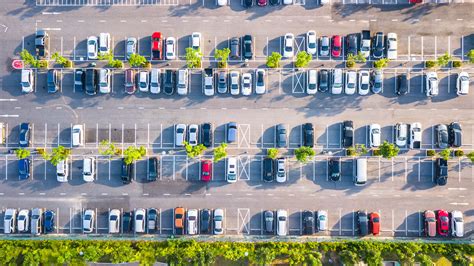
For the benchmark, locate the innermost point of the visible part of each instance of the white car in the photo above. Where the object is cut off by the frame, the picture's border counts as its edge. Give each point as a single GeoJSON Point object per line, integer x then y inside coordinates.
{"type": "Point", "coordinates": [431, 85]}
{"type": "Point", "coordinates": [336, 84]}
{"type": "Point", "coordinates": [281, 170]}
{"type": "Point", "coordinates": [288, 50]}
{"type": "Point", "coordinates": [143, 82]}
{"type": "Point", "coordinates": [23, 220]}
{"type": "Point", "coordinates": [139, 221]}
{"type": "Point", "coordinates": [234, 82]}
{"type": "Point", "coordinates": [246, 84]}
{"type": "Point", "coordinates": [155, 83]}
{"type": "Point", "coordinates": [311, 42]}
{"type": "Point", "coordinates": [462, 83]}
{"type": "Point", "coordinates": [170, 46]}
{"type": "Point", "coordinates": [282, 222]}
{"type": "Point", "coordinates": [364, 82]}
{"type": "Point", "coordinates": [218, 221]}
{"type": "Point", "coordinates": [180, 135]}
{"type": "Point", "coordinates": [88, 169]}
{"type": "Point", "coordinates": [351, 80]}
{"type": "Point", "coordinates": [77, 135]}
{"type": "Point", "coordinates": [401, 133]}
{"type": "Point", "coordinates": [104, 43]}
{"type": "Point", "coordinates": [322, 220]}
{"type": "Point", "coordinates": [196, 41]}
{"type": "Point", "coordinates": [131, 46]}
{"type": "Point", "coordinates": [92, 47]}
{"type": "Point", "coordinates": [192, 217]}
{"type": "Point", "coordinates": [193, 134]}
{"type": "Point", "coordinates": [114, 221]}
{"type": "Point", "coordinates": [374, 135]}
{"type": "Point", "coordinates": [457, 224]}
{"type": "Point", "coordinates": [415, 135]}
{"type": "Point", "coordinates": [27, 80]}
{"type": "Point", "coordinates": [392, 46]}
{"type": "Point", "coordinates": [260, 81]}
{"type": "Point", "coordinates": [62, 171]}
{"type": "Point", "coordinates": [88, 221]}
{"type": "Point", "coordinates": [312, 82]}
{"type": "Point", "coordinates": [9, 221]}
{"type": "Point", "coordinates": [104, 80]}
{"type": "Point", "coordinates": [231, 173]}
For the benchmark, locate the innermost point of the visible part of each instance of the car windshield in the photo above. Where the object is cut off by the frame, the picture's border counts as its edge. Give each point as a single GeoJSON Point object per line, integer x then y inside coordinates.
{"type": "Point", "coordinates": [103, 84]}
{"type": "Point", "coordinates": [113, 218]}
{"type": "Point", "coordinates": [21, 217]}
{"type": "Point", "coordinates": [376, 220]}
{"type": "Point", "coordinates": [192, 218]}
{"type": "Point", "coordinates": [91, 42]}
{"type": "Point", "coordinates": [324, 48]}
{"type": "Point", "coordinates": [444, 137]}
{"type": "Point", "coordinates": [375, 131]}
{"type": "Point", "coordinates": [364, 49]}
{"type": "Point", "coordinates": [180, 130]}
{"type": "Point", "coordinates": [282, 218]}
{"type": "Point", "coordinates": [179, 216]}
{"type": "Point", "coordinates": [87, 217]}
{"type": "Point", "coordinates": [139, 217]}
{"type": "Point", "coordinates": [312, 45]}
{"type": "Point", "coordinates": [322, 218]}
{"type": "Point", "coordinates": [7, 217]}
{"type": "Point", "coordinates": [205, 173]}
{"type": "Point", "coordinates": [444, 219]}
{"type": "Point", "coordinates": [458, 219]}
{"type": "Point", "coordinates": [218, 218]}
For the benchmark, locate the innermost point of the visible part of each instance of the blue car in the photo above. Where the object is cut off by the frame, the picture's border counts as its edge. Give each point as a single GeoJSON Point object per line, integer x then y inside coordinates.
{"type": "Point", "coordinates": [24, 168]}
{"type": "Point", "coordinates": [24, 135]}
{"type": "Point", "coordinates": [48, 221]}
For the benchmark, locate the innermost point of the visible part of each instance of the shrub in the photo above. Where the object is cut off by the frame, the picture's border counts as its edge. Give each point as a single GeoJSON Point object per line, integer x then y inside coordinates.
{"type": "Point", "coordinates": [223, 56]}
{"type": "Point", "coordinates": [304, 153]}
{"type": "Point", "coordinates": [444, 59]}
{"type": "Point", "coordinates": [22, 153]}
{"type": "Point", "coordinates": [351, 151]}
{"type": "Point", "coordinates": [470, 56]}
{"type": "Point", "coordinates": [459, 153]}
{"type": "Point", "coordinates": [115, 63]}
{"type": "Point", "coordinates": [381, 63]}
{"type": "Point", "coordinates": [430, 64]}
{"type": "Point", "coordinates": [273, 61]}
{"type": "Point", "coordinates": [303, 59]}
{"type": "Point", "coordinates": [272, 153]}
{"type": "Point", "coordinates": [445, 154]}
{"type": "Point", "coordinates": [457, 63]}
{"type": "Point", "coordinates": [389, 150]}
{"type": "Point", "coordinates": [136, 60]}
{"type": "Point", "coordinates": [430, 153]}
{"type": "Point", "coordinates": [220, 152]}
{"type": "Point", "coordinates": [28, 58]}
{"type": "Point", "coordinates": [471, 156]}
{"type": "Point", "coordinates": [193, 58]}
{"type": "Point", "coordinates": [360, 58]}
{"type": "Point", "coordinates": [350, 63]}
{"type": "Point", "coordinates": [376, 152]}
{"type": "Point", "coordinates": [59, 153]}
{"type": "Point", "coordinates": [194, 151]}
{"type": "Point", "coordinates": [108, 148]}
{"type": "Point", "coordinates": [133, 153]}
{"type": "Point", "coordinates": [42, 64]}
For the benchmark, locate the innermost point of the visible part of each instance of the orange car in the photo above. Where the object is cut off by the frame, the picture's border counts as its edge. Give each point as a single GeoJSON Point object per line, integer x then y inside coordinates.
{"type": "Point", "coordinates": [374, 223]}
{"type": "Point", "coordinates": [179, 220]}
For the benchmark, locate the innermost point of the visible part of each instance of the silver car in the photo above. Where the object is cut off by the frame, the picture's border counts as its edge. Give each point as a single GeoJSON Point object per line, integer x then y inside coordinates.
{"type": "Point", "coordinates": [222, 82]}
{"type": "Point", "coordinates": [324, 46]}
{"type": "Point", "coordinates": [131, 46]}
{"type": "Point", "coordinates": [234, 82]}
{"type": "Point", "coordinates": [377, 81]}
{"type": "Point", "coordinates": [36, 221]}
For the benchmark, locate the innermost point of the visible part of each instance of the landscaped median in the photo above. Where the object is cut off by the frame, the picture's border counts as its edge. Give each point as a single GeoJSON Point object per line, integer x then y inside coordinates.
{"type": "Point", "coordinates": [187, 252]}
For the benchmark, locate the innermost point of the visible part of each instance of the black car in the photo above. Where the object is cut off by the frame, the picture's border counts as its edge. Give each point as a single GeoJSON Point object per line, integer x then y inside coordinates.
{"type": "Point", "coordinates": [323, 80]}
{"type": "Point", "coordinates": [169, 80]}
{"type": "Point", "coordinates": [79, 79]}
{"type": "Point", "coordinates": [378, 45]}
{"type": "Point", "coordinates": [281, 136]}
{"type": "Point", "coordinates": [268, 169]}
{"type": "Point", "coordinates": [402, 84]}
{"type": "Point", "coordinates": [42, 44]}
{"type": "Point", "coordinates": [269, 219]}
{"type": "Point", "coordinates": [363, 223]}
{"type": "Point", "coordinates": [308, 223]}
{"type": "Point", "coordinates": [24, 166]}
{"type": "Point", "coordinates": [308, 135]}
{"type": "Point", "coordinates": [351, 44]}
{"type": "Point", "coordinates": [48, 221]}
{"type": "Point", "coordinates": [153, 166]}
{"type": "Point", "coordinates": [24, 137]}
{"type": "Point", "coordinates": [248, 50]}
{"type": "Point", "coordinates": [347, 133]}
{"type": "Point", "coordinates": [334, 169]}
{"type": "Point", "coordinates": [247, 3]}
{"type": "Point", "coordinates": [127, 223]}
{"type": "Point", "coordinates": [455, 134]}
{"type": "Point", "coordinates": [52, 81]}
{"type": "Point", "coordinates": [91, 81]}
{"type": "Point", "coordinates": [127, 172]}
{"type": "Point", "coordinates": [205, 221]}
{"type": "Point", "coordinates": [206, 135]}
{"type": "Point", "coordinates": [441, 175]}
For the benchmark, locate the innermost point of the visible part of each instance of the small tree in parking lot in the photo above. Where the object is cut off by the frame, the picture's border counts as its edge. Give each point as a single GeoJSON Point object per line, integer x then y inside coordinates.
{"type": "Point", "coordinates": [388, 150]}
{"type": "Point", "coordinates": [107, 56]}
{"type": "Point", "coordinates": [470, 56]}
{"type": "Point", "coordinates": [58, 154]}
{"type": "Point", "coordinates": [303, 154]}
{"type": "Point", "coordinates": [108, 148]}
{"type": "Point", "coordinates": [272, 153]}
{"type": "Point", "coordinates": [61, 60]}
{"type": "Point", "coordinates": [193, 57]}
{"type": "Point", "coordinates": [132, 153]}
{"type": "Point", "coordinates": [223, 56]}
{"type": "Point", "coordinates": [445, 154]}
{"type": "Point", "coordinates": [381, 63]}
{"type": "Point", "coordinates": [22, 153]}
{"type": "Point", "coordinates": [470, 156]}
{"type": "Point", "coordinates": [430, 64]}
{"type": "Point", "coordinates": [220, 152]}
{"type": "Point", "coordinates": [136, 60]}
{"type": "Point", "coordinates": [350, 62]}
{"type": "Point", "coordinates": [358, 150]}
{"type": "Point", "coordinates": [194, 151]}
{"type": "Point", "coordinates": [444, 59]}
{"type": "Point", "coordinates": [273, 60]}
{"type": "Point", "coordinates": [302, 59]}
{"type": "Point", "coordinates": [360, 58]}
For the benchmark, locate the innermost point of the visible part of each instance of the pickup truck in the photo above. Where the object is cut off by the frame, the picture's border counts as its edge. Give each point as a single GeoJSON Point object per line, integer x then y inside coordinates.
{"type": "Point", "coordinates": [156, 46]}
{"type": "Point", "coordinates": [41, 43]}
{"type": "Point", "coordinates": [365, 43]}
{"type": "Point", "coordinates": [208, 82]}
{"type": "Point", "coordinates": [415, 135]}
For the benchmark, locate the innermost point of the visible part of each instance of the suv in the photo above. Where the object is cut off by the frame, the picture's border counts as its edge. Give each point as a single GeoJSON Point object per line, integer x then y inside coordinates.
{"type": "Point", "coordinates": [442, 136]}
{"type": "Point", "coordinates": [27, 81]}
{"type": "Point", "coordinates": [323, 80]}
{"type": "Point", "coordinates": [191, 221]}
{"type": "Point", "coordinates": [205, 221]}
{"type": "Point", "coordinates": [206, 134]}
{"type": "Point", "coordinates": [431, 86]}
{"type": "Point", "coordinates": [182, 85]}
{"type": "Point", "coordinates": [441, 177]}
{"type": "Point", "coordinates": [90, 81]}
{"type": "Point", "coordinates": [269, 221]}
{"type": "Point", "coordinates": [42, 44]}
{"type": "Point", "coordinates": [308, 222]}
{"type": "Point", "coordinates": [9, 221]}
{"type": "Point", "coordinates": [351, 44]}
{"type": "Point", "coordinates": [402, 84]}
{"type": "Point", "coordinates": [153, 166]}
{"type": "Point", "coordinates": [169, 82]}
{"type": "Point", "coordinates": [308, 135]}
{"type": "Point", "coordinates": [62, 171]}
{"type": "Point", "coordinates": [156, 46]}
{"type": "Point", "coordinates": [378, 45]}
{"type": "Point", "coordinates": [24, 166]}
{"type": "Point", "coordinates": [363, 223]}
{"type": "Point", "coordinates": [455, 134]}
{"type": "Point", "coordinates": [457, 224]}
{"type": "Point", "coordinates": [235, 48]}
{"type": "Point", "coordinates": [231, 132]}
{"type": "Point", "coordinates": [152, 217]}
{"type": "Point", "coordinates": [24, 138]}
{"type": "Point", "coordinates": [248, 50]}
{"type": "Point", "coordinates": [430, 223]}
{"type": "Point", "coordinates": [179, 220]}
{"type": "Point", "coordinates": [130, 86]}
{"type": "Point", "coordinates": [53, 81]}
{"type": "Point", "coordinates": [268, 169]}
{"type": "Point", "coordinates": [127, 172]}
{"type": "Point", "coordinates": [282, 218]}
{"type": "Point", "coordinates": [334, 169]}
{"type": "Point", "coordinates": [114, 221]}
{"type": "Point", "coordinates": [348, 133]}
{"type": "Point", "coordinates": [281, 135]}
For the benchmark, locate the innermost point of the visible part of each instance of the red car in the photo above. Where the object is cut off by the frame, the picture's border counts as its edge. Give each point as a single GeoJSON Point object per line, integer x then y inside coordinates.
{"type": "Point", "coordinates": [336, 43]}
{"type": "Point", "coordinates": [206, 170]}
{"type": "Point", "coordinates": [443, 223]}
{"type": "Point", "coordinates": [262, 2]}
{"type": "Point", "coordinates": [156, 46]}
{"type": "Point", "coordinates": [374, 223]}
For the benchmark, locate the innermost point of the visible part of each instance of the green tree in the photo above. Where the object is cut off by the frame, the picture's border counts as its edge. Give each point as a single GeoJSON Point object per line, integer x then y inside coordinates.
{"type": "Point", "coordinates": [358, 150]}
{"type": "Point", "coordinates": [444, 59]}
{"type": "Point", "coordinates": [194, 151]}
{"type": "Point", "coordinates": [22, 153]}
{"type": "Point", "coordinates": [58, 154]}
{"type": "Point", "coordinates": [28, 58]}
{"type": "Point", "coordinates": [381, 63]}
{"type": "Point", "coordinates": [193, 57]}
{"type": "Point", "coordinates": [132, 153]}
{"type": "Point", "coordinates": [350, 63]}
{"type": "Point", "coordinates": [389, 150]}
{"type": "Point", "coordinates": [115, 63]}
{"type": "Point", "coordinates": [106, 56]}
{"type": "Point", "coordinates": [445, 154]}
{"type": "Point", "coordinates": [302, 59]}
{"type": "Point", "coordinates": [136, 60]}
{"type": "Point", "coordinates": [273, 61]}
{"type": "Point", "coordinates": [457, 63]}
{"type": "Point", "coordinates": [272, 153]}
{"type": "Point", "coordinates": [470, 56]}
{"type": "Point", "coordinates": [223, 56]}
{"type": "Point", "coordinates": [61, 60]}
{"type": "Point", "coordinates": [303, 154]}
{"type": "Point", "coordinates": [107, 148]}
{"type": "Point", "coordinates": [360, 58]}
{"type": "Point", "coordinates": [220, 152]}
{"type": "Point", "coordinates": [430, 64]}
{"type": "Point", "coordinates": [471, 156]}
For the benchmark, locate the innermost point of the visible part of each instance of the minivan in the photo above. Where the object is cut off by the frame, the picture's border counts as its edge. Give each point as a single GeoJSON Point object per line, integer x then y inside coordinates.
{"type": "Point", "coordinates": [62, 171]}
{"type": "Point", "coordinates": [88, 169]}
{"type": "Point", "coordinates": [153, 165]}
{"type": "Point", "coordinates": [360, 177]}
{"type": "Point", "coordinates": [104, 43]}
{"type": "Point", "coordinates": [235, 48]}
{"type": "Point", "coordinates": [27, 80]}
{"type": "Point", "coordinates": [231, 174]}
{"type": "Point", "coordinates": [336, 82]}
{"type": "Point", "coordinates": [182, 82]}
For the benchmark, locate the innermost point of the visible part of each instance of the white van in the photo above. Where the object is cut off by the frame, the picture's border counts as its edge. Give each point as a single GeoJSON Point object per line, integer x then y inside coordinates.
{"type": "Point", "coordinates": [2, 133]}
{"type": "Point", "coordinates": [104, 43]}
{"type": "Point", "coordinates": [182, 82]}
{"type": "Point", "coordinates": [155, 81]}
{"type": "Point", "coordinates": [77, 135]}
{"type": "Point", "coordinates": [231, 173]}
{"type": "Point", "coordinates": [336, 87]}
{"type": "Point", "coordinates": [360, 177]}
{"type": "Point", "coordinates": [88, 169]}
{"type": "Point", "coordinates": [62, 171]}
{"type": "Point", "coordinates": [27, 80]}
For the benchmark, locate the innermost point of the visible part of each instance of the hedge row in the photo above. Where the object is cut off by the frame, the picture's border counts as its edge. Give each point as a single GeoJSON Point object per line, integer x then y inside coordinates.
{"type": "Point", "coordinates": [190, 252]}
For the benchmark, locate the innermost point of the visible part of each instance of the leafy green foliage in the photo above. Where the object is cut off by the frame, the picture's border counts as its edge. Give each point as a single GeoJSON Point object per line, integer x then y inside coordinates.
{"type": "Point", "coordinates": [107, 148]}
{"type": "Point", "coordinates": [303, 154]}
{"type": "Point", "coordinates": [194, 151]}
{"type": "Point", "coordinates": [430, 64]}
{"type": "Point", "coordinates": [223, 56]}
{"type": "Point", "coordinates": [58, 154]}
{"type": "Point", "coordinates": [28, 58]}
{"type": "Point", "coordinates": [389, 150]}
{"type": "Point", "coordinates": [115, 63]}
{"type": "Point", "coordinates": [376, 152]}
{"type": "Point", "coordinates": [22, 153]}
{"type": "Point", "coordinates": [193, 57]}
{"type": "Point", "coordinates": [132, 153]}
{"type": "Point", "coordinates": [445, 154]}
{"type": "Point", "coordinates": [61, 60]}
{"type": "Point", "coordinates": [106, 56]}
{"type": "Point", "coordinates": [471, 156]}
{"type": "Point", "coordinates": [136, 60]}
{"type": "Point", "coordinates": [302, 59]}
{"type": "Point", "coordinates": [350, 63]}
{"type": "Point", "coordinates": [220, 152]}
{"type": "Point", "coordinates": [470, 56]}
{"type": "Point", "coordinates": [272, 153]}
{"type": "Point", "coordinates": [360, 58]}
{"type": "Point", "coordinates": [381, 63]}
{"type": "Point", "coordinates": [457, 63]}
{"type": "Point", "coordinates": [358, 150]}
{"type": "Point", "coordinates": [273, 61]}
{"type": "Point", "coordinates": [430, 153]}
{"type": "Point", "coordinates": [458, 153]}
{"type": "Point", "coordinates": [444, 59]}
